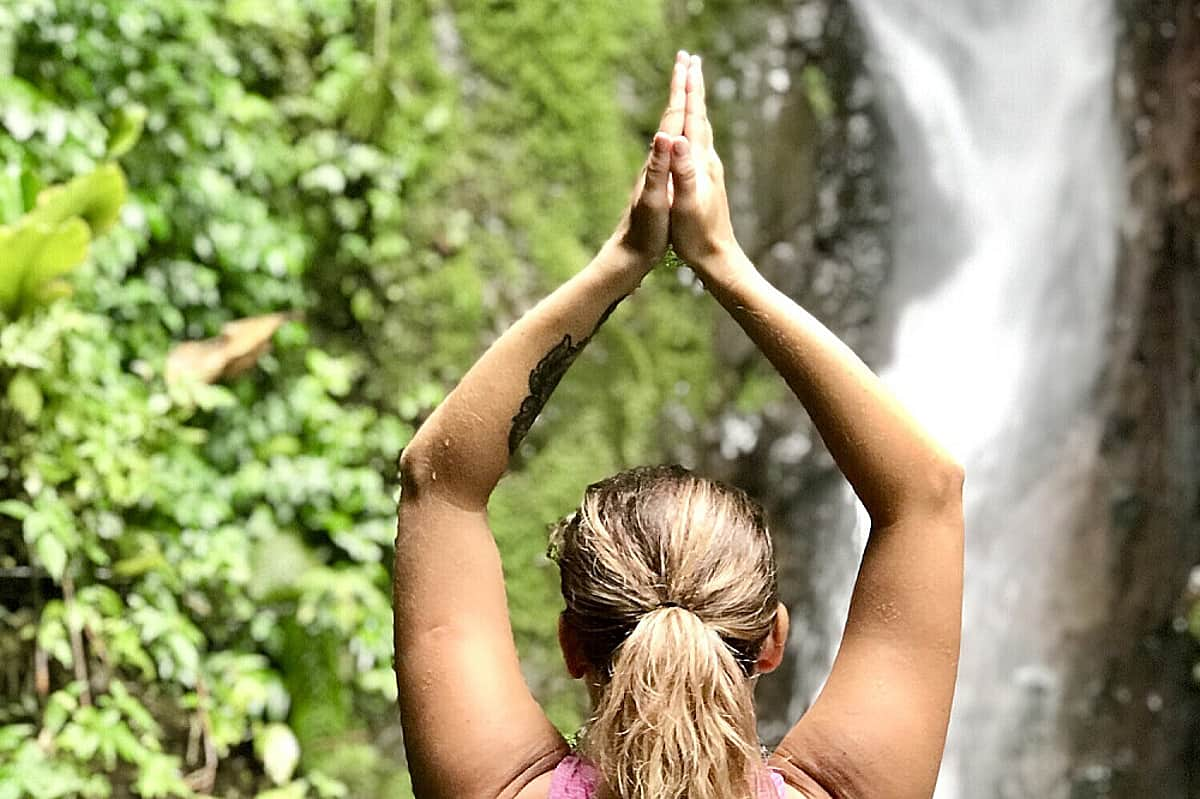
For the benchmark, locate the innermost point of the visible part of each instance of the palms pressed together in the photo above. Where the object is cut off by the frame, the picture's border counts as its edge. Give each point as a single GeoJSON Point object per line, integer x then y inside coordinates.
{"type": "Point", "coordinates": [680, 197]}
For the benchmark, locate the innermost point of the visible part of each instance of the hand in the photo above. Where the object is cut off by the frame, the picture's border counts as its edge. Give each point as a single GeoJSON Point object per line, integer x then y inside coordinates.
{"type": "Point", "coordinates": [644, 227]}
{"type": "Point", "coordinates": [701, 230]}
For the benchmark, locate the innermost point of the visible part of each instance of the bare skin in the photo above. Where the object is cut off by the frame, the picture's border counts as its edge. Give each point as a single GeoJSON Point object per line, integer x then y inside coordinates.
{"type": "Point", "coordinates": [471, 726]}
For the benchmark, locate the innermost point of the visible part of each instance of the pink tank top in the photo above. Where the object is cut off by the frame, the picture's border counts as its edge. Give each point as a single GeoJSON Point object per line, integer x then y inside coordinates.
{"type": "Point", "coordinates": [576, 778]}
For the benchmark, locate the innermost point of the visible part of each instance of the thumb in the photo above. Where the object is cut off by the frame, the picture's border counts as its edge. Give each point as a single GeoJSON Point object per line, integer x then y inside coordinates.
{"type": "Point", "coordinates": [683, 168]}
{"type": "Point", "coordinates": [658, 172]}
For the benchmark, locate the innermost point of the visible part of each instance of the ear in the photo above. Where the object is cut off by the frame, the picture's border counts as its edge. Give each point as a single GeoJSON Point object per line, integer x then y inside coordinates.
{"type": "Point", "coordinates": [771, 654]}
{"type": "Point", "coordinates": [572, 652]}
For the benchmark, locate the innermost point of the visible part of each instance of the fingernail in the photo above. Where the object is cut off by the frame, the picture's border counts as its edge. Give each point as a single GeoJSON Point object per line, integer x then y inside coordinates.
{"type": "Point", "coordinates": [661, 144]}
{"type": "Point", "coordinates": [681, 54]}
{"type": "Point", "coordinates": [681, 146]}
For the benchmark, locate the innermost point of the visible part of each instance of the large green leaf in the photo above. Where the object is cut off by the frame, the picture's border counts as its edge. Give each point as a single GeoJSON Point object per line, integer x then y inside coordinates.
{"type": "Point", "coordinates": [53, 238]}
{"type": "Point", "coordinates": [12, 270]}
{"type": "Point", "coordinates": [64, 247]}
{"type": "Point", "coordinates": [97, 197]}
{"type": "Point", "coordinates": [34, 254]}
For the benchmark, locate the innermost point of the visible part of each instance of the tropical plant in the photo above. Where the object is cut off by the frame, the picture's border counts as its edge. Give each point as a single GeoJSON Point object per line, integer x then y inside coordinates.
{"type": "Point", "coordinates": [51, 239]}
{"type": "Point", "coordinates": [194, 571]}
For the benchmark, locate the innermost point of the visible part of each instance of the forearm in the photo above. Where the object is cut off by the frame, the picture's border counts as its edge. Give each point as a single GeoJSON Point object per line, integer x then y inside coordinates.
{"type": "Point", "coordinates": [463, 448]}
{"type": "Point", "coordinates": [888, 458]}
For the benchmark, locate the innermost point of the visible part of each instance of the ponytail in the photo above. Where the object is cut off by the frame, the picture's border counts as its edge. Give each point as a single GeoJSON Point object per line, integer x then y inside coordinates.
{"type": "Point", "coordinates": [670, 590]}
{"type": "Point", "coordinates": [676, 718]}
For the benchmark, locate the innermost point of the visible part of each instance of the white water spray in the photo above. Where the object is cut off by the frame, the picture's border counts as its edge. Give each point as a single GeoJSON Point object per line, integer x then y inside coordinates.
{"type": "Point", "coordinates": [1006, 189]}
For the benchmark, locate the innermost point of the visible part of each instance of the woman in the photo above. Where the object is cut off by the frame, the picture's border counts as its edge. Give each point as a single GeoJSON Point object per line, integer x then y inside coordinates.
{"type": "Point", "coordinates": [668, 578]}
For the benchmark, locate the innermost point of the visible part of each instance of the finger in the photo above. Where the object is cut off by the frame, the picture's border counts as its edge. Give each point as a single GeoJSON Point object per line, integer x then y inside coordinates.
{"type": "Point", "coordinates": [658, 172]}
{"type": "Point", "coordinates": [672, 118]}
{"type": "Point", "coordinates": [683, 169]}
{"type": "Point", "coordinates": [695, 126]}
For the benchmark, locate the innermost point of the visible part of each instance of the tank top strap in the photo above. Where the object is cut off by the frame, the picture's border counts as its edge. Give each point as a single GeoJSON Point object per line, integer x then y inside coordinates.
{"type": "Point", "coordinates": [576, 778]}
{"type": "Point", "coordinates": [777, 783]}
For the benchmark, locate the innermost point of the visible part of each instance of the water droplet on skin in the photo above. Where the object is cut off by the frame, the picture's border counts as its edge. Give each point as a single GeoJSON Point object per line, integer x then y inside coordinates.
{"type": "Point", "coordinates": [887, 612]}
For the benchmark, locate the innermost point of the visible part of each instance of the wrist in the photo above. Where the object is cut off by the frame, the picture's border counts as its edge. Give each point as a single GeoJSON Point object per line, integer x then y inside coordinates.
{"type": "Point", "coordinates": [724, 268]}
{"type": "Point", "coordinates": [626, 260]}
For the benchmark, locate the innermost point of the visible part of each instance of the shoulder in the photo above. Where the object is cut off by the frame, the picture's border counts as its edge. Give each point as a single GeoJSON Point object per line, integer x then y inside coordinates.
{"type": "Point", "coordinates": [538, 788]}
{"type": "Point", "coordinates": [798, 783]}
{"type": "Point", "coordinates": [571, 777]}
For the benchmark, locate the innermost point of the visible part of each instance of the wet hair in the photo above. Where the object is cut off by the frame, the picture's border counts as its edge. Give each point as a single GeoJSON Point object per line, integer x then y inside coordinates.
{"type": "Point", "coordinates": [670, 587]}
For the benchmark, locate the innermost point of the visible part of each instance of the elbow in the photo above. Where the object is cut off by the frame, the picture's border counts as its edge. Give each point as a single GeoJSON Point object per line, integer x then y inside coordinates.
{"type": "Point", "coordinates": [415, 470]}
{"type": "Point", "coordinates": [427, 474]}
{"type": "Point", "coordinates": [946, 489]}
{"type": "Point", "coordinates": [935, 490]}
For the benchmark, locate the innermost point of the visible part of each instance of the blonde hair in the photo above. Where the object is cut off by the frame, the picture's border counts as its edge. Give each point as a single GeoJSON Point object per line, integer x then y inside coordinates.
{"type": "Point", "coordinates": [669, 581]}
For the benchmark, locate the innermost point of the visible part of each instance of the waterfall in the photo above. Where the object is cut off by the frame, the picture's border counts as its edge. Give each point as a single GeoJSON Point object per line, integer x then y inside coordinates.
{"type": "Point", "coordinates": [1006, 187]}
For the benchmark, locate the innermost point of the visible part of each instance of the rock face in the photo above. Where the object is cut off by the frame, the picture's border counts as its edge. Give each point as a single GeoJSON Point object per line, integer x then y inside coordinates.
{"type": "Point", "coordinates": [1135, 708]}
{"type": "Point", "coordinates": [808, 193]}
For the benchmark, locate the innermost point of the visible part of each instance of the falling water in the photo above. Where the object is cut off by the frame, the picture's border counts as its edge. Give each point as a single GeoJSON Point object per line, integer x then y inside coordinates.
{"type": "Point", "coordinates": [1006, 193]}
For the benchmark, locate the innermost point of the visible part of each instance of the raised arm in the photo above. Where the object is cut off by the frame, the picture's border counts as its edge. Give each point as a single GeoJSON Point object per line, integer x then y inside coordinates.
{"type": "Point", "coordinates": [471, 727]}
{"type": "Point", "coordinates": [878, 728]}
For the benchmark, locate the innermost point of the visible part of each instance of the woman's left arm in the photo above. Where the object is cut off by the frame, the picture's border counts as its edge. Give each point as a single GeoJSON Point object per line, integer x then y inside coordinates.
{"type": "Point", "coordinates": [471, 726]}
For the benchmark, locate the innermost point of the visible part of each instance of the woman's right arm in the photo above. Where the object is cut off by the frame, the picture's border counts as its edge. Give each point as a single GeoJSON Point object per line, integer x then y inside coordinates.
{"type": "Point", "coordinates": [878, 728]}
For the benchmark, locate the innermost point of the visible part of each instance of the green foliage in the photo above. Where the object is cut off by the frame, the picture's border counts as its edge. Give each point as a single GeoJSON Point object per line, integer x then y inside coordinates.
{"type": "Point", "coordinates": [209, 573]}
{"type": "Point", "coordinates": [52, 238]}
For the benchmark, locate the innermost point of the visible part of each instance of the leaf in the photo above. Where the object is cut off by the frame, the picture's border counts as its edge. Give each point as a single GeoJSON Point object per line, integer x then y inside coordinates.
{"type": "Point", "coordinates": [50, 291]}
{"type": "Point", "coordinates": [12, 203]}
{"type": "Point", "coordinates": [37, 251]}
{"type": "Point", "coordinates": [31, 186]}
{"type": "Point", "coordinates": [159, 776]}
{"type": "Point", "coordinates": [52, 633]}
{"type": "Point", "coordinates": [336, 374]}
{"type": "Point", "coordinates": [21, 246]}
{"type": "Point", "coordinates": [127, 129]}
{"type": "Point", "coordinates": [816, 89]}
{"type": "Point", "coordinates": [64, 248]}
{"type": "Point", "coordinates": [293, 790]}
{"type": "Point", "coordinates": [13, 734]}
{"type": "Point", "coordinates": [25, 397]}
{"type": "Point", "coordinates": [53, 555]}
{"type": "Point", "coordinates": [58, 711]}
{"type": "Point", "coordinates": [279, 751]}
{"type": "Point", "coordinates": [80, 741]}
{"type": "Point", "coordinates": [327, 787]}
{"type": "Point", "coordinates": [141, 563]}
{"type": "Point", "coordinates": [236, 350]}
{"type": "Point", "coordinates": [97, 197]}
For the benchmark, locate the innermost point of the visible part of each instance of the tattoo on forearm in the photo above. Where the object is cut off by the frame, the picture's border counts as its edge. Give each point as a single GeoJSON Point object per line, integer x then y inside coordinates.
{"type": "Point", "coordinates": [545, 378]}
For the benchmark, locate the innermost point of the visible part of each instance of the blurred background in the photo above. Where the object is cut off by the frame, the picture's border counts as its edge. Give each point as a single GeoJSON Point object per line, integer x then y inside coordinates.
{"type": "Point", "coordinates": [247, 246]}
